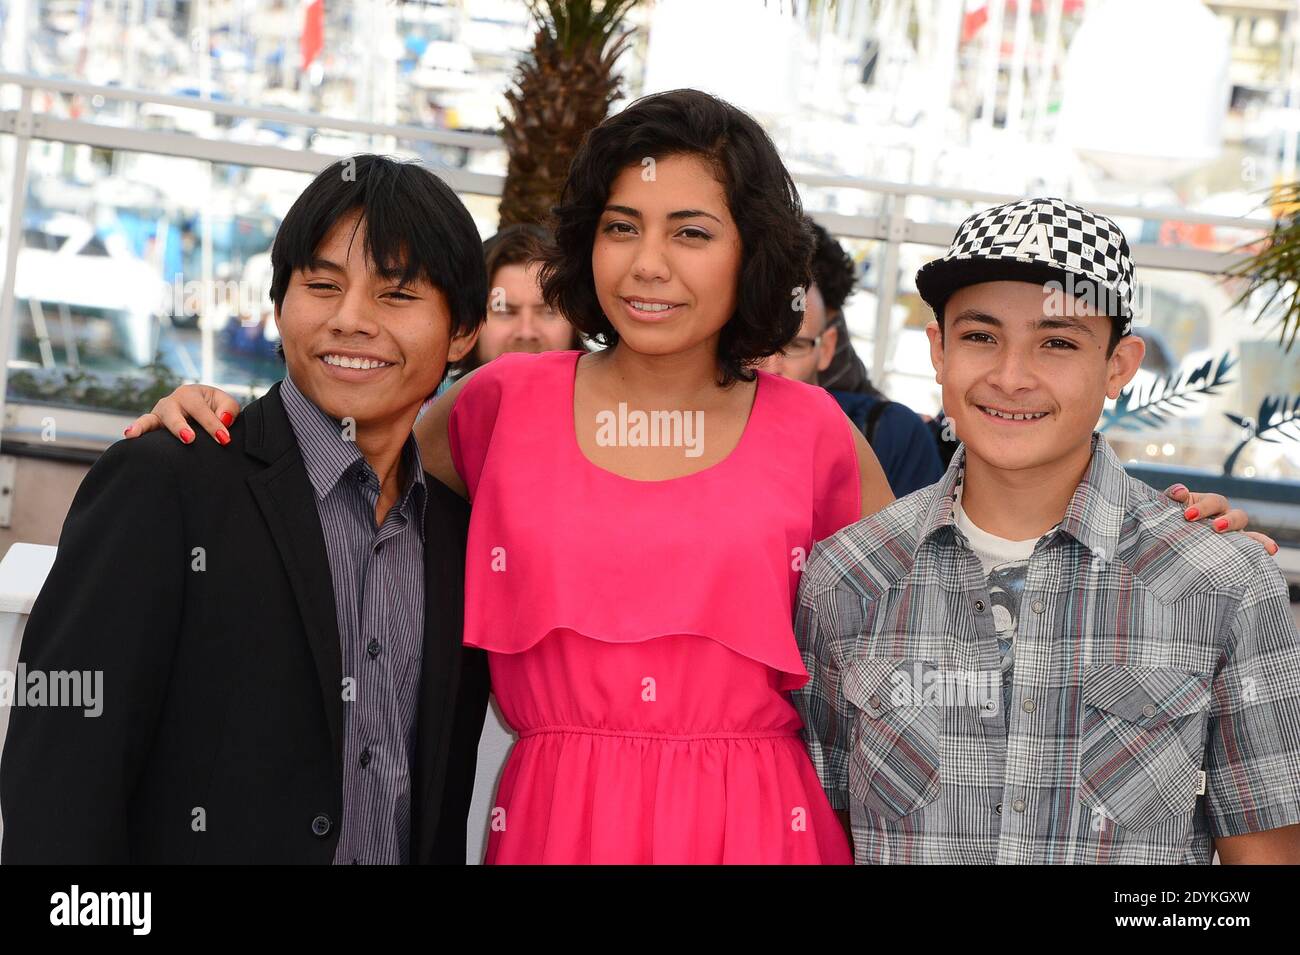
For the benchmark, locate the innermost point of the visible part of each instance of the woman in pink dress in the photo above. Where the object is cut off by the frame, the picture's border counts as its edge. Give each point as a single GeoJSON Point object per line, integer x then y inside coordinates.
{"type": "Point", "coordinates": [641, 514]}
{"type": "Point", "coordinates": [639, 630]}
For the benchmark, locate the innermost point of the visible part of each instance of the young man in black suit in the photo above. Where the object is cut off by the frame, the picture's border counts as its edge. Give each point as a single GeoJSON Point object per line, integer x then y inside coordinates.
{"type": "Point", "coordinates": [279, 630]}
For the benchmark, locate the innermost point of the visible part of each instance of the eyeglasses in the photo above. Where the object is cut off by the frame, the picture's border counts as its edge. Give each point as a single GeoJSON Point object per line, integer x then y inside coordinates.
{"type": "Point", "coordinates": [801, 347]}
{"type": "Point", "coordinates": [506, 315]}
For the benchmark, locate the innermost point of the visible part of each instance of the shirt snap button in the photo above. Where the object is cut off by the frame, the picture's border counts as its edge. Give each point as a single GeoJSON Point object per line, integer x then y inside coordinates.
{"type": "Point", "coordinates": [1038, 606]}
{"type": "Point", "coordinates": [1148, 711]}
{"type": "Point", "coordinates": [979, 606]}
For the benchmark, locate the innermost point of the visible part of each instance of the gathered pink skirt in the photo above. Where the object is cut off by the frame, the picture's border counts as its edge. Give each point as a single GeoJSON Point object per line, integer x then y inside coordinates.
{"type": "Point", "coordinates": [673, 750]}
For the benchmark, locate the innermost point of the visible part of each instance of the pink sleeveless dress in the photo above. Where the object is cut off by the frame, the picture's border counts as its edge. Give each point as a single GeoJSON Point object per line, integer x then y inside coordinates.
{"type": "Point", "coordinates": [640, 632]}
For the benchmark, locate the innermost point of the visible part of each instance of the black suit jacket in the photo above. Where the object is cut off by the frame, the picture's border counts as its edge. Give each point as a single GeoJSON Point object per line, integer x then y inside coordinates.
{"type": "Point", "coordinates": [196, 579]}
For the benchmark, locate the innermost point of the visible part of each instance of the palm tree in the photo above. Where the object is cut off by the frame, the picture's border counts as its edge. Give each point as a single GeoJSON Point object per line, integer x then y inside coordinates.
{"type": "Point", "coordinates": [563, 88]}
{"type": "Point", "coordinates": [1274, 268]}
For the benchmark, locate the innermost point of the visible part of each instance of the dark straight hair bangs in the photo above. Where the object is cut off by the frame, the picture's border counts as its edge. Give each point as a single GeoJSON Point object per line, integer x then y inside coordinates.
{"type": "Point", "coordinates": [776, 242]}
{"type": "Point", "coordinates": [414, 226]}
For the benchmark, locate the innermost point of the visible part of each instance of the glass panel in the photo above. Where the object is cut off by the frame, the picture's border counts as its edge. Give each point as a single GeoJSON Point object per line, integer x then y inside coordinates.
{"type": "Point", "coordinates": [1192, 323]}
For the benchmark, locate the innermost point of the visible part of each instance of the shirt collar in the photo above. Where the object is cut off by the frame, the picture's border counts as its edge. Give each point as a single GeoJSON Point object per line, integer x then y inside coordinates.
{"type": "Point", "coordinates": [328, 457]}
{"type": "Point", "coordinates": [1093, 517]}
{"type": "Point", "coordinates": [1096, 511]}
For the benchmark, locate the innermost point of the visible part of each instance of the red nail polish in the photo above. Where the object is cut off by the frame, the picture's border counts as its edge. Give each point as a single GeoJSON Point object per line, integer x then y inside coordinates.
{"type": "Point", "coordinates": [223, 438]}
{"type": "Point", "coordinates": [187, 435]}
{"type": "Point", "coordinates": [226, 418]}
{"type": "Point", "coordinates": [1192, 513]}
{"type": "Point", "coordinates": [1221, 524]}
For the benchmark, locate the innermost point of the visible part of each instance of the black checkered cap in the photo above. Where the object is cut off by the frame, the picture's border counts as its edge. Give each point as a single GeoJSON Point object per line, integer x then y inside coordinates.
{"type": "Point", "coordinates": [1038, 240]}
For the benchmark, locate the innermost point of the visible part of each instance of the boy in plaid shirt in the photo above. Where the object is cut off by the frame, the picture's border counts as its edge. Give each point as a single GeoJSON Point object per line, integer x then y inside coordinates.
{"type": "Point", "coordinates": [1037, 659]}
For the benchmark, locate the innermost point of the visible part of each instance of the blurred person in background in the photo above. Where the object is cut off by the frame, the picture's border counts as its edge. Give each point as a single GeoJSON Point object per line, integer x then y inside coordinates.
{"type": "Point", "coordinates": [902, 442]}
{"type": "Point", "coordinates": [518, 320]}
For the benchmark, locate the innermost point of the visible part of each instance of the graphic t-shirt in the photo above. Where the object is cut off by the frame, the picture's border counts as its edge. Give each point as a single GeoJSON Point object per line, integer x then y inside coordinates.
{"type": "Point", "coordinates": [1005, 563]}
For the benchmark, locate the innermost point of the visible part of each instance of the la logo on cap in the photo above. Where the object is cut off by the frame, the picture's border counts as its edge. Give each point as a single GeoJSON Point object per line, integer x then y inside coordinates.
{"type": "Point", "coordinates": [1032, 241]}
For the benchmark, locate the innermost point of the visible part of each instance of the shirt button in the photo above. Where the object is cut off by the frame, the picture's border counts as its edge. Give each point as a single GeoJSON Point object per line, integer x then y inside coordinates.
{"type": "Point", "coordinates": [372, 648]}
{"type": "Point", "coordinates": [1027, 706]}
{"type": "Point", "coordinates": [1018, 805]}
{"type": "Point", "coordinates": [873, 701]}
{"type": "Point", "coordinates": [365, 757]}
{"type": "Point", "coordinates": [379, 547]}
{"type": "Point", "coordinates": [321, 825]}
{"type": "Point", "coordinates": [1148, 711]}
{"type": "Point", "coordinates": [361, 475]}
{"type": "Point", "coordinates": [1038, 606]}
{"type": "Point", "coordinates": [998, 809]}
{"type": "Point", "coordinates": [979, 606]}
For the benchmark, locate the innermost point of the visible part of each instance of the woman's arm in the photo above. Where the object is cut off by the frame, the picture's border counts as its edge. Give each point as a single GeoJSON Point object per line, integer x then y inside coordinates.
{"type": "Point", "coordinates": [434, 439]}
{"type": "Point", "coordinates": [213, 410]}
{"type": "Point", "coordinates": [875, 486]}
{"type": "Point", "coordinates": [1274, 847]}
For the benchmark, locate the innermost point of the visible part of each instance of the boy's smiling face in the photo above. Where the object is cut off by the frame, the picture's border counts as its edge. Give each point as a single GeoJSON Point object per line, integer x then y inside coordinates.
{"type": "Point", "coordinates": [339, 313]}
{"type": "Point", "coordinates": [1025, 371]}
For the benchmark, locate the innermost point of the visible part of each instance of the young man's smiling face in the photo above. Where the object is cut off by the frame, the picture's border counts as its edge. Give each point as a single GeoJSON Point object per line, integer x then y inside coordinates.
{"type": "Point", "coordinates": [358, 343]}
{"type": "Point", "coordinates": [1026, 371]}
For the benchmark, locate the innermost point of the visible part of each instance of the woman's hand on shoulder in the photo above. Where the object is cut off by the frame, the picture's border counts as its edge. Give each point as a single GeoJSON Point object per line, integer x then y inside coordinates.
{"type": "Point", "coordinates": [210, 408]}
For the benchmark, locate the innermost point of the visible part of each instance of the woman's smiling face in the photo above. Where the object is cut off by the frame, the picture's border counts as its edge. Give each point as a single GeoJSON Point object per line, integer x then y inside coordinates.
{"type": "Point", "coordinates": [666, 256]}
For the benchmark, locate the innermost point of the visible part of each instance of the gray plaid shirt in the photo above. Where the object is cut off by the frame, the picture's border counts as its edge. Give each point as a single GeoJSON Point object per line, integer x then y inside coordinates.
{"type": "Point", "coordinates": [1155, 701]}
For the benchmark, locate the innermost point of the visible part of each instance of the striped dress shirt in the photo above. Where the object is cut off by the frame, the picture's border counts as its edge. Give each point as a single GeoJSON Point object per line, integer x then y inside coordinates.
{"type": "Point", "coordinates": [378, 575]}
{"type": "Point", "coordinates": [1154, 703]}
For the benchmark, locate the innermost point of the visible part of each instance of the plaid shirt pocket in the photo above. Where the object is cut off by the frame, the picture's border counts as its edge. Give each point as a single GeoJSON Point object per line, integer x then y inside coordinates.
{"type": "Point", "coordinates": [1142, 743]}
{"type": "Point", "coordinates": [894, 761]}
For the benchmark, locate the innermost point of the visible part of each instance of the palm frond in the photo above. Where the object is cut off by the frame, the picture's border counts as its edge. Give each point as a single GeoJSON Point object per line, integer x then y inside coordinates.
{"type": "Point", "coordinates": [579, 24]}
{"type": "Point", "coordinates": [1278, 419]}
{"type": "Point", "coordinates": [1273, 268]}
{"type": "Point", "coordinates": [1148, 407]}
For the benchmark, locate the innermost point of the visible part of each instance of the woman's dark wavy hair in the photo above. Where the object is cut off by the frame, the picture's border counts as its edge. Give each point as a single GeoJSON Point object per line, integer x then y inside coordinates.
{"type": "Point", "coordinates": [776, 243]}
